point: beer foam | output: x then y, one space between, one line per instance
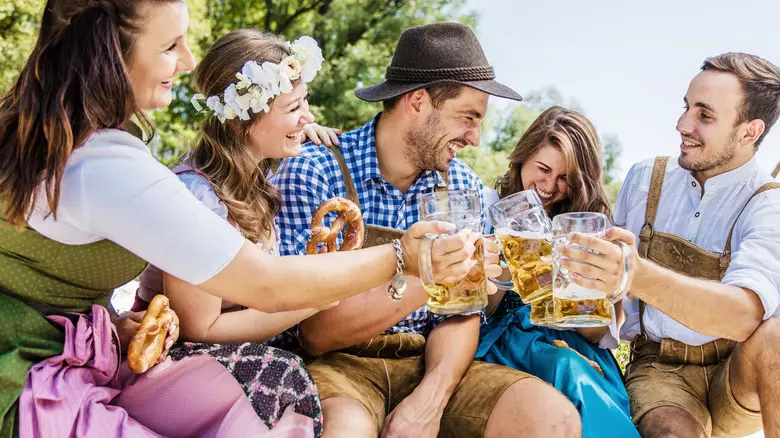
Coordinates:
574 291
536 235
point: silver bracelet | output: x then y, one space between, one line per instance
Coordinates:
398 283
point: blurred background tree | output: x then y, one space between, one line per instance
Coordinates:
357 38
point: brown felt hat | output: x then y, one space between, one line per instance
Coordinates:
435 54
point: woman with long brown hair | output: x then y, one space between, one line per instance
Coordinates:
559 158
227 170
85 206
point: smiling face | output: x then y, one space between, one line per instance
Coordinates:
709 127
159 53
446 130
545 173
279 133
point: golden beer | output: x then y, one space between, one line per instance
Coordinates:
582 312
542 312
529 256
467 295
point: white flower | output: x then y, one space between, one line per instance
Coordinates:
213 102
271 74
243 81
290 67
285 85
259 101
312 57
262 83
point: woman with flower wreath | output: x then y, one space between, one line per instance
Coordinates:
84 207
258 109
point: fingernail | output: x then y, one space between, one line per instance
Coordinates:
168 344
173 327
447 226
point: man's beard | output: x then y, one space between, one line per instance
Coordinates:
705 163
424 149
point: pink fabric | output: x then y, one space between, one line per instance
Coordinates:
84 392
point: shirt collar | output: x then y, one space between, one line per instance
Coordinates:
370 170
730 178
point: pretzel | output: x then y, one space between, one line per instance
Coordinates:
147 343
349 214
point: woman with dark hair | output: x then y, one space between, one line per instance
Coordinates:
559 158
85 206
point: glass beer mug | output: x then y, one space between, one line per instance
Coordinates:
525 236
574 305
464 209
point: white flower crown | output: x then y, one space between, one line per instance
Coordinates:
261 83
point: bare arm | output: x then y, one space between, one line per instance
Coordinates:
359 318
707 307
202 319
449 351
364 316
274 284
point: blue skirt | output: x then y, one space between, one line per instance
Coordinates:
510 339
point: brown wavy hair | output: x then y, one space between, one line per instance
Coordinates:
74 83
576 137
221 151
760 81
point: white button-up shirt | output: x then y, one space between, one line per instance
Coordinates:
705 220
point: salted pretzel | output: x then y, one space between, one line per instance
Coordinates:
148 342
349 214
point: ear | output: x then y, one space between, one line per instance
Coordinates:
753 131
414 103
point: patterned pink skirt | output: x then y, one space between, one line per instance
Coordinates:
86 392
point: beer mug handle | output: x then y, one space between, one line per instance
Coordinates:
625 280
500 285
425 264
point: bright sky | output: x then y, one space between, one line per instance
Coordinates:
627 63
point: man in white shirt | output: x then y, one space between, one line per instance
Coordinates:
702 307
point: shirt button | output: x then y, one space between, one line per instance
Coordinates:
693 183
697 214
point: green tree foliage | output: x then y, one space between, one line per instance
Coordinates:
357 38
19 21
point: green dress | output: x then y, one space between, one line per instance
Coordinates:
70 278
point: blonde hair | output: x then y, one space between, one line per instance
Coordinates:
576 137
221 152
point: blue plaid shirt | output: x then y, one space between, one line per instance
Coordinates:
313 177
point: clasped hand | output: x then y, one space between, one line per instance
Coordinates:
597 262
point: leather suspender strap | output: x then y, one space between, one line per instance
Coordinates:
653 198
768 186
651 210
444 177
348 182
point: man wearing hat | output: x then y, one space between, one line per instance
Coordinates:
386 364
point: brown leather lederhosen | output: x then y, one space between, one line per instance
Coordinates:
679 255
381 372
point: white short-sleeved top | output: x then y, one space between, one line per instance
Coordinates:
705 220
113 188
